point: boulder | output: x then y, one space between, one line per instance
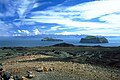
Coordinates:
17 77
30 74
1 72
24 78
42 69
1 67
94 39
11 78
45 69
39 69
51 69
6 75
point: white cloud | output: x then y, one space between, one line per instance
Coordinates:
104 10
96 26
8 9
5 28
109 32
36 5
50 13
74 24
40 4
43 27
86 11
27 32
55 28
66 33
1 14
96 9
36 32
112 18
24 7
19 31
23 32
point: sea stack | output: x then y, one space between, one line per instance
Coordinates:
94 39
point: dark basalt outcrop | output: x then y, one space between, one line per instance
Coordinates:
64 45
93 39
50 39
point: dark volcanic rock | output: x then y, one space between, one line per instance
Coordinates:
93 39
109 58
63 45
6 75
17 77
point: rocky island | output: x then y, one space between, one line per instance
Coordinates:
50 39
94 39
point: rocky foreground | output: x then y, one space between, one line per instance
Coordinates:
61 63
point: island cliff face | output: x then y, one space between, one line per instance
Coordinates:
93 39
50 39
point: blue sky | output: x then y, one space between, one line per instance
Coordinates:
60 17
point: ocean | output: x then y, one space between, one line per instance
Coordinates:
34 41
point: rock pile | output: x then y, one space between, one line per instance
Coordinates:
5 75
44 69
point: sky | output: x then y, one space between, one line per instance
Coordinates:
59 17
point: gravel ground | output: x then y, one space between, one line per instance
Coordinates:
63 70
56 76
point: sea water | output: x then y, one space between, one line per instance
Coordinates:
33 41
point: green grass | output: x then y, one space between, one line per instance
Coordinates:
90 37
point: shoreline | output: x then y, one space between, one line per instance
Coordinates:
62 46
